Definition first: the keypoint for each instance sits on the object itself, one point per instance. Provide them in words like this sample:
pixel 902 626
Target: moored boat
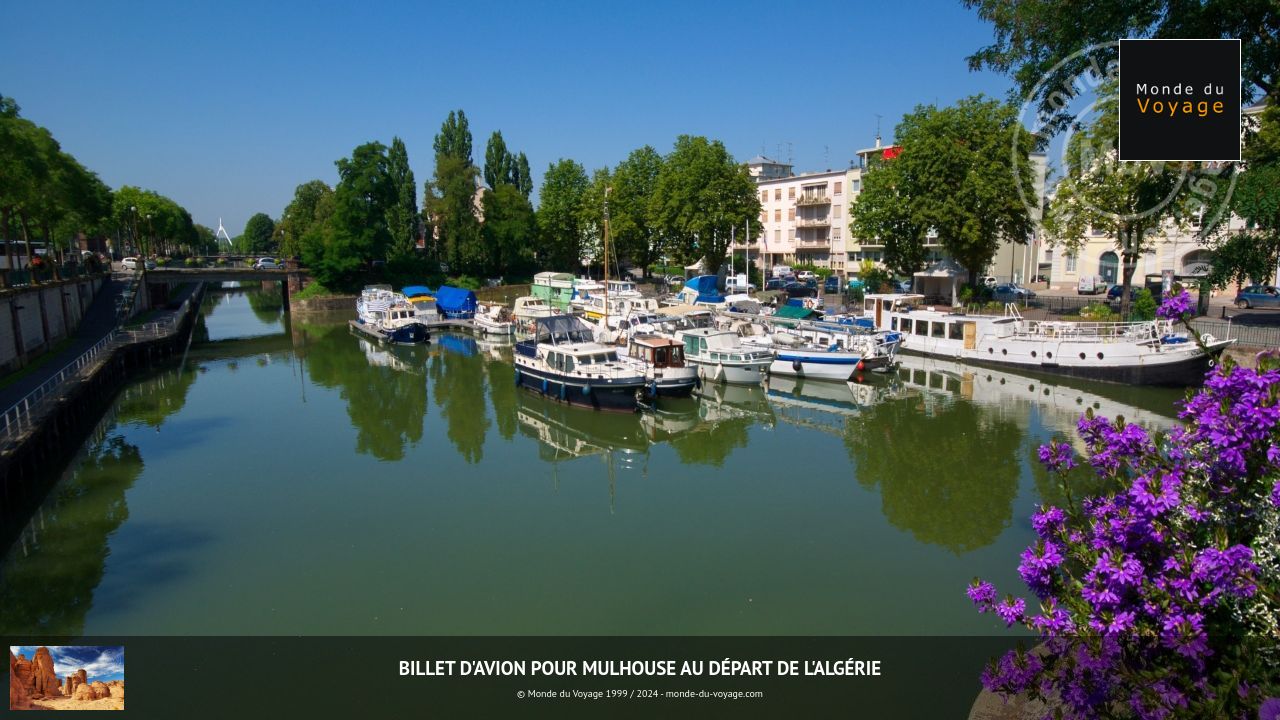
pixel 556 289
pixel 494 319
pixel 388 316
pixel 662 361
pixel 720 356
pixel 562 361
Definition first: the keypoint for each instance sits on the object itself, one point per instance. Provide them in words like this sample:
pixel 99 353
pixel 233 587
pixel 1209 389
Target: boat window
pixel 939 329
pixel 611 357
pixel 893 323
pixel 955 331
pixel 601 357
pixel 659 357
pixel 922 327
pixel 568 363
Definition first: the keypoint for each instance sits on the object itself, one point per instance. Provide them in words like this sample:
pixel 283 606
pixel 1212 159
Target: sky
pixel 227 107
pixel 100 662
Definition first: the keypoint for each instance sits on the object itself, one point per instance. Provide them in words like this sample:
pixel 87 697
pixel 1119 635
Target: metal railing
pixel 18 417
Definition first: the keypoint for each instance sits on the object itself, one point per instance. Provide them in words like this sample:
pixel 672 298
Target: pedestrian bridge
pixel 290 280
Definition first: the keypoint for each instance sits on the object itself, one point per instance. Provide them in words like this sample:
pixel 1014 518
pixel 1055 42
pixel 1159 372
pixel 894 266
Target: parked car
pixel 1258 296
pixel 266 263
pixel 987 281
pixel 150 264
pixel 738 284
pixel 800 290
pixel 1008 292
pixel 775 284
pixel 129 263
pixel 1090 285
pixel 677 280
pixel 1117 290
pixel 831 285
pixel 856 283
pixel 804 275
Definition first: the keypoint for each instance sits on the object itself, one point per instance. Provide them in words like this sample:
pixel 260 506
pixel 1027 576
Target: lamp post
pixel 133 240
pixel 151 235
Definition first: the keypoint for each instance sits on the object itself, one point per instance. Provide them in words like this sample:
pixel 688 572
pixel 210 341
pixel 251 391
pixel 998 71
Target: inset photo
pixel 66 677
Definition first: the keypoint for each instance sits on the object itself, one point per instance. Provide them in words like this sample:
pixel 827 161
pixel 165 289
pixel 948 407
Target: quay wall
pixel 34 319
pixel 32 463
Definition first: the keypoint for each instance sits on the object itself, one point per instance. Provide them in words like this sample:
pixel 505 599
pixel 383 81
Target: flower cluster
pixel 1176 306
pixel 1147 589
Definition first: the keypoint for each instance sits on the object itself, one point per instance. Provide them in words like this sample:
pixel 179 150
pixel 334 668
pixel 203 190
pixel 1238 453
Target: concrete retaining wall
pixel 34 319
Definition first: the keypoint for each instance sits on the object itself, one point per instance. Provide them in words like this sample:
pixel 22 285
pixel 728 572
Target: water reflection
pixel 458 375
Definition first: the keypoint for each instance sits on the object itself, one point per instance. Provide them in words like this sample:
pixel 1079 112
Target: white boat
pixel 831 355
pixel 554 288
pixel 584 288
pixel 662 360
pixel 388 316
pixel 528 309
pixel 1147 352
pixel 494 319
pixel 720 356
pixel 562 361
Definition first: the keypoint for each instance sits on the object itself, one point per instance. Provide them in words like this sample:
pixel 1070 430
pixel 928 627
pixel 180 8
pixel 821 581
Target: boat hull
pixel 824 365
pixel 732 374
pixel 673 387
pixel 412 334
pixel 599 395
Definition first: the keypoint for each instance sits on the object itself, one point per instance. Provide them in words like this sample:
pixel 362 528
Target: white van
pixel 1091 285
pixel 781 270
pixel 738 284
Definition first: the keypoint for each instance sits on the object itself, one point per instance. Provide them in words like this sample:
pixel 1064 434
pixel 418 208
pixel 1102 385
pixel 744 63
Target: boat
pixel 388 316
pixel 828 351
pixel 494 319
pixel 424 303
pixel 701 290
pixel 455 303
pixel 720 356
pixel 555 289
pixel 528 309
pixel 564 362
pixel 1148 352
pixel 662 361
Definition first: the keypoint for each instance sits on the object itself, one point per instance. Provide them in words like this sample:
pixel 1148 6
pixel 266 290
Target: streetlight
pixel 133 241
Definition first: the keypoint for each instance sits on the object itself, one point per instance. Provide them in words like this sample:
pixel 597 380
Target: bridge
pixel 290 279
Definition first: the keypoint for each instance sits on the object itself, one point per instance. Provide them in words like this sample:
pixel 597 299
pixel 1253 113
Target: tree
pixel 634 182
pixel 509 230
pixel 591 220
pixel 1131 201
pixel 356 231
pixel 1040 39
pixel 402 215
pixel 258 235
pixel 1254 254
pixel 521 177
pixel 560 216
pixel 499 165
pixel 302 214
pixel 450 200
pixel 958 176
pixel 700 194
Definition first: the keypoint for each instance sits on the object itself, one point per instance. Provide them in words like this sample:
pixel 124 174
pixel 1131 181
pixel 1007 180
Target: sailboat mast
pixel 606 258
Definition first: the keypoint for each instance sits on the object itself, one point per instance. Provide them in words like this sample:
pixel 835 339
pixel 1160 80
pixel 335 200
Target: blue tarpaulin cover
pixel 706 286
pixel 416 290
pixel 455 302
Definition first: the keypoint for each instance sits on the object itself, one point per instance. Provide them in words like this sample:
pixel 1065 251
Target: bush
pixel 1143 306
pixel 190 262
pixel 1095 311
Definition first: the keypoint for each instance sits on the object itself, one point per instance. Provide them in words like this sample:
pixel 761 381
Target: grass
pixel 36 364
pixel 312 290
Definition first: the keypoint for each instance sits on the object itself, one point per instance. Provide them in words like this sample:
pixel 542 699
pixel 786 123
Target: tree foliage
pixel 454 139
pixel 258 236
pixel 635 237
pixel 356 232
pixel 523 179
pixel 560 227
pixel 700 194
pixel 402 215
pixel 311 205
pixel 958 175
pixel 508 230
pixel 499 165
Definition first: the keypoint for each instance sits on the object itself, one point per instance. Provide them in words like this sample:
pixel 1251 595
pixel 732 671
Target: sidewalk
pixel 99 319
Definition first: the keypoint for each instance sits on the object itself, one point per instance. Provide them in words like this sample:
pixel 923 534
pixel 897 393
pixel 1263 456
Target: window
pixel 764 196
pixel 1071 262
pixel 835 211
pixel 777 214
pixel 777 193
pixel 835 233
pixel 855 186
pixel 568 363
pixel 791 193
pixel 764 216
pixel 955 331
pixel 777 235
pixel 791 213
pixel 839 187
pixel 922 327
pixel 939 330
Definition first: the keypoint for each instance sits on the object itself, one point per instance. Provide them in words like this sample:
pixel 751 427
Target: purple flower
pixel 982 593
pixel 1176 307
pixel 1058 457
pixel 1012 610
pixel 1048 521
pixel 1270 709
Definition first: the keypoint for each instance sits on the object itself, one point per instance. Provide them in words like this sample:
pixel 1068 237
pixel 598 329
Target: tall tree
pixel 259 234
pixel 559 216
pixel 634 181
pixel 509 230
pixel 1130 201
pixel 402 215
pixel 958 175
pixel 450 202
pixel 1253 254
pixel 1039 40
pixel 521 177
pixel 591 220
pixel 301 214
pixel 356 232
pixel 498 163
pixel 700 196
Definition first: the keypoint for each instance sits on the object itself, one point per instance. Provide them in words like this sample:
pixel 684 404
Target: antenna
pixel 789 157
pixel 826 157
pixel 877 129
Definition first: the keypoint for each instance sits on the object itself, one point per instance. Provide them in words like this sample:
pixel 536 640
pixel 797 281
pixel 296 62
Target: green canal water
pixel 290 478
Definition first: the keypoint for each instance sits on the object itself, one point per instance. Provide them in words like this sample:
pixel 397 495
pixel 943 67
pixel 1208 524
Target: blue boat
pixel 564 362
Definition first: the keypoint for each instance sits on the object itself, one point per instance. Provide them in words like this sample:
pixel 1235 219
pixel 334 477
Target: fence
pixel 1246 335
pixel 18 417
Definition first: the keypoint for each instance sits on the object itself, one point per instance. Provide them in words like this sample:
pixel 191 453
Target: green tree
pixel 1253 254
pixel 259 235
pixel 499 165
pixel 454 139
pixel 591 220
pixel 402 215
pixel 356 231
pixel 450 200
pixel 560 216
pixel 509 231
pixel 521 177
pixel 956 176
pixel 634 181
pixel 306 210
pixel 701 193
pixel 1130 201
pixel 1036 41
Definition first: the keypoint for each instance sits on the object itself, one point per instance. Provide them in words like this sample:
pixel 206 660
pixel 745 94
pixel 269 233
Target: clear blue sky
pixel 227 106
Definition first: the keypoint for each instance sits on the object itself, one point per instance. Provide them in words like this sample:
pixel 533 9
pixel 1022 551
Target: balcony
pixel 813 222
pixel 814 199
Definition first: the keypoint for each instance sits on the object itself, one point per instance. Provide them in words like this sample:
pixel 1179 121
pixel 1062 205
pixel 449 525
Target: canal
pixel 290 478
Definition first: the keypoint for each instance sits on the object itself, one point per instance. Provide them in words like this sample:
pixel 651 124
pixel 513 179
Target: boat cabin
pixel 658 351
pixel 586 357
pixel 554 288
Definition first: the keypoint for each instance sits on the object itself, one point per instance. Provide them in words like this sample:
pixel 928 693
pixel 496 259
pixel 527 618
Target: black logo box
pixel 1186 69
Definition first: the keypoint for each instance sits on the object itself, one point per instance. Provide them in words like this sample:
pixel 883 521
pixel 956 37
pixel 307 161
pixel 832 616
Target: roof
pixel 943 268
pixel 653 340
pixel 762 160
pixel 558 329
pixel 452 299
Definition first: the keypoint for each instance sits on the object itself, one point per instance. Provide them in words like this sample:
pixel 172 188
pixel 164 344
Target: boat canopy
pixel 560 329
pixel 457 301
pixel 791 312
pixel 706 287
pixel 416 290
